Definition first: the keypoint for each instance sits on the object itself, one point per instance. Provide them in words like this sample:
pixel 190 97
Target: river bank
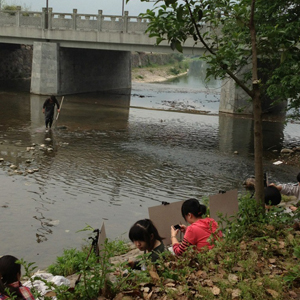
pixel 255 260
pixel 155 74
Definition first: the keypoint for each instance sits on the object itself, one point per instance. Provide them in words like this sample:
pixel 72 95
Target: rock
pixel 286 151
pixel 1 159
pixel 235 152
pixel 35 170
pixel 249 183
pixel 49 149
pixel 28 161
pixel 14 167
pixel 48 140
pixel 30 171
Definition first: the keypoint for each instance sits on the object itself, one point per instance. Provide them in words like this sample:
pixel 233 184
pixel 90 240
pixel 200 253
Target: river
pixel 110 164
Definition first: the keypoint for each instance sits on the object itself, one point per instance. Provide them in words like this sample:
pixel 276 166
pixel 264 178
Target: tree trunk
pixel 257 115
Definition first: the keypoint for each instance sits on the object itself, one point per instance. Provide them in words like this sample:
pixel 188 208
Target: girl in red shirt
pixel 200 230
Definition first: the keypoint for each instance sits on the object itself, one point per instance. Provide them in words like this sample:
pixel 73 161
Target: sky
pixel 109 7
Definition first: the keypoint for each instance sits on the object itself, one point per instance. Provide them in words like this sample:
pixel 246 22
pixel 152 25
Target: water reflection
pixel 236 134
pixel 112 163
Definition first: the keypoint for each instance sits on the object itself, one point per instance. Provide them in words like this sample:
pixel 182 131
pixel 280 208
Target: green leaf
pixel 159 40
pixel 178 46
pixel 200 15
pixel 170 2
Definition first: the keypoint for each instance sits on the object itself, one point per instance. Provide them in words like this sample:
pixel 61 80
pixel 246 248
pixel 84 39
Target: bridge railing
pixel 49 20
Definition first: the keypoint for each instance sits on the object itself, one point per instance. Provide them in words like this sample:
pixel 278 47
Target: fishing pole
pixel 62 100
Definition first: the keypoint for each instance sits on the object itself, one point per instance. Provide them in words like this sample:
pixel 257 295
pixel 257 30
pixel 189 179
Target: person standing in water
pixel 48 110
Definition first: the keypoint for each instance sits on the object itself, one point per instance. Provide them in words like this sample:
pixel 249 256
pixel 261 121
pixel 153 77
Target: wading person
pixel 10 285
pixel 146 238
pixel 48 110
pixel 290 190
pixel 200 230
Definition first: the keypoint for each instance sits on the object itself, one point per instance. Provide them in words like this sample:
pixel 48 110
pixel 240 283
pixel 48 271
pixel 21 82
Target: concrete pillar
pixel 45 69
pixel 62 71
pixel 233 99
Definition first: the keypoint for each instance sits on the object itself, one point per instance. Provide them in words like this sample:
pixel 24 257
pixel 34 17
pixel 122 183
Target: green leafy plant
pixel 69 263
pixel 294 274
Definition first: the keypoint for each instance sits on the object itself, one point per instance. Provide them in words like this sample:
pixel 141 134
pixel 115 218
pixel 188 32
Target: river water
pixel 111 163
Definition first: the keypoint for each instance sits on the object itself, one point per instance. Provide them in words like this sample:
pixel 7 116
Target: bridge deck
pixel 73 30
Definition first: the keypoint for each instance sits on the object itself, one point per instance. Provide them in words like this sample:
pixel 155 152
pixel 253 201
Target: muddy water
pixel 110 163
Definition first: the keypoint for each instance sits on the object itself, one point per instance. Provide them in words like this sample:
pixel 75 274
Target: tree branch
pixel 230 73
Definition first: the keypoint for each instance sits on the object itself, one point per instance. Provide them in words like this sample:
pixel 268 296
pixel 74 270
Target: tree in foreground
pixel 254 42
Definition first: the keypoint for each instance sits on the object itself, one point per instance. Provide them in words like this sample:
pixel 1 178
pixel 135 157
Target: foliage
pixel 69 263
pixel 258 251
pixel 294 274
pixel 223 27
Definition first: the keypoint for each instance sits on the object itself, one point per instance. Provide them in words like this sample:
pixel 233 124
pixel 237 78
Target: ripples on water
pixel 113 163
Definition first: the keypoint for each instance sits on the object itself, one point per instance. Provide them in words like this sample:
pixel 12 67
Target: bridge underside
pixel 61 71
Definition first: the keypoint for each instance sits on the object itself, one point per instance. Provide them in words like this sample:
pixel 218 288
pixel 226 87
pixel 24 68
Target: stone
pixel 286 151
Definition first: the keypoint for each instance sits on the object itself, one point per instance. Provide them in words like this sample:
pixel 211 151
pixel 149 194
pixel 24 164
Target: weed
pixel 69 263
pixel 293 276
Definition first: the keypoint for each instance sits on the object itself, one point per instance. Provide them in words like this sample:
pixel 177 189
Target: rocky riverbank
pixel 154 74
pixel 290 156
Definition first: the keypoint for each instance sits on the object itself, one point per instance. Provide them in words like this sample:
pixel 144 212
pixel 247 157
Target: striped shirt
pixel 25 291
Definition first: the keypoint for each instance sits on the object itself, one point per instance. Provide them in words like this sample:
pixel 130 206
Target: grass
pixel 257 259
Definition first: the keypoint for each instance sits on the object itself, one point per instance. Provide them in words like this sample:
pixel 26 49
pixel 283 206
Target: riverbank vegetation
pixel 150 71
pixel 257 259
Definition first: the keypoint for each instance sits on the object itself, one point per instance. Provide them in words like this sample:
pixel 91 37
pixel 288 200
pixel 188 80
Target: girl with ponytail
pixel 198 233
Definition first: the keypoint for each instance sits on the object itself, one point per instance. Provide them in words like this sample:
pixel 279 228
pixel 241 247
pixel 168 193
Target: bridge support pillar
pixel 233 99
pixel 60 71
pixel 45 69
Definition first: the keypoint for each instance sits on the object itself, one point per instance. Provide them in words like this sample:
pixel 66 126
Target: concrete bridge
pixel 78 53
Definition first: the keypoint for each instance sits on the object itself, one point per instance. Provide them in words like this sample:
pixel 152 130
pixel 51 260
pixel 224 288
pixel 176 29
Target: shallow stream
pixel 110 164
